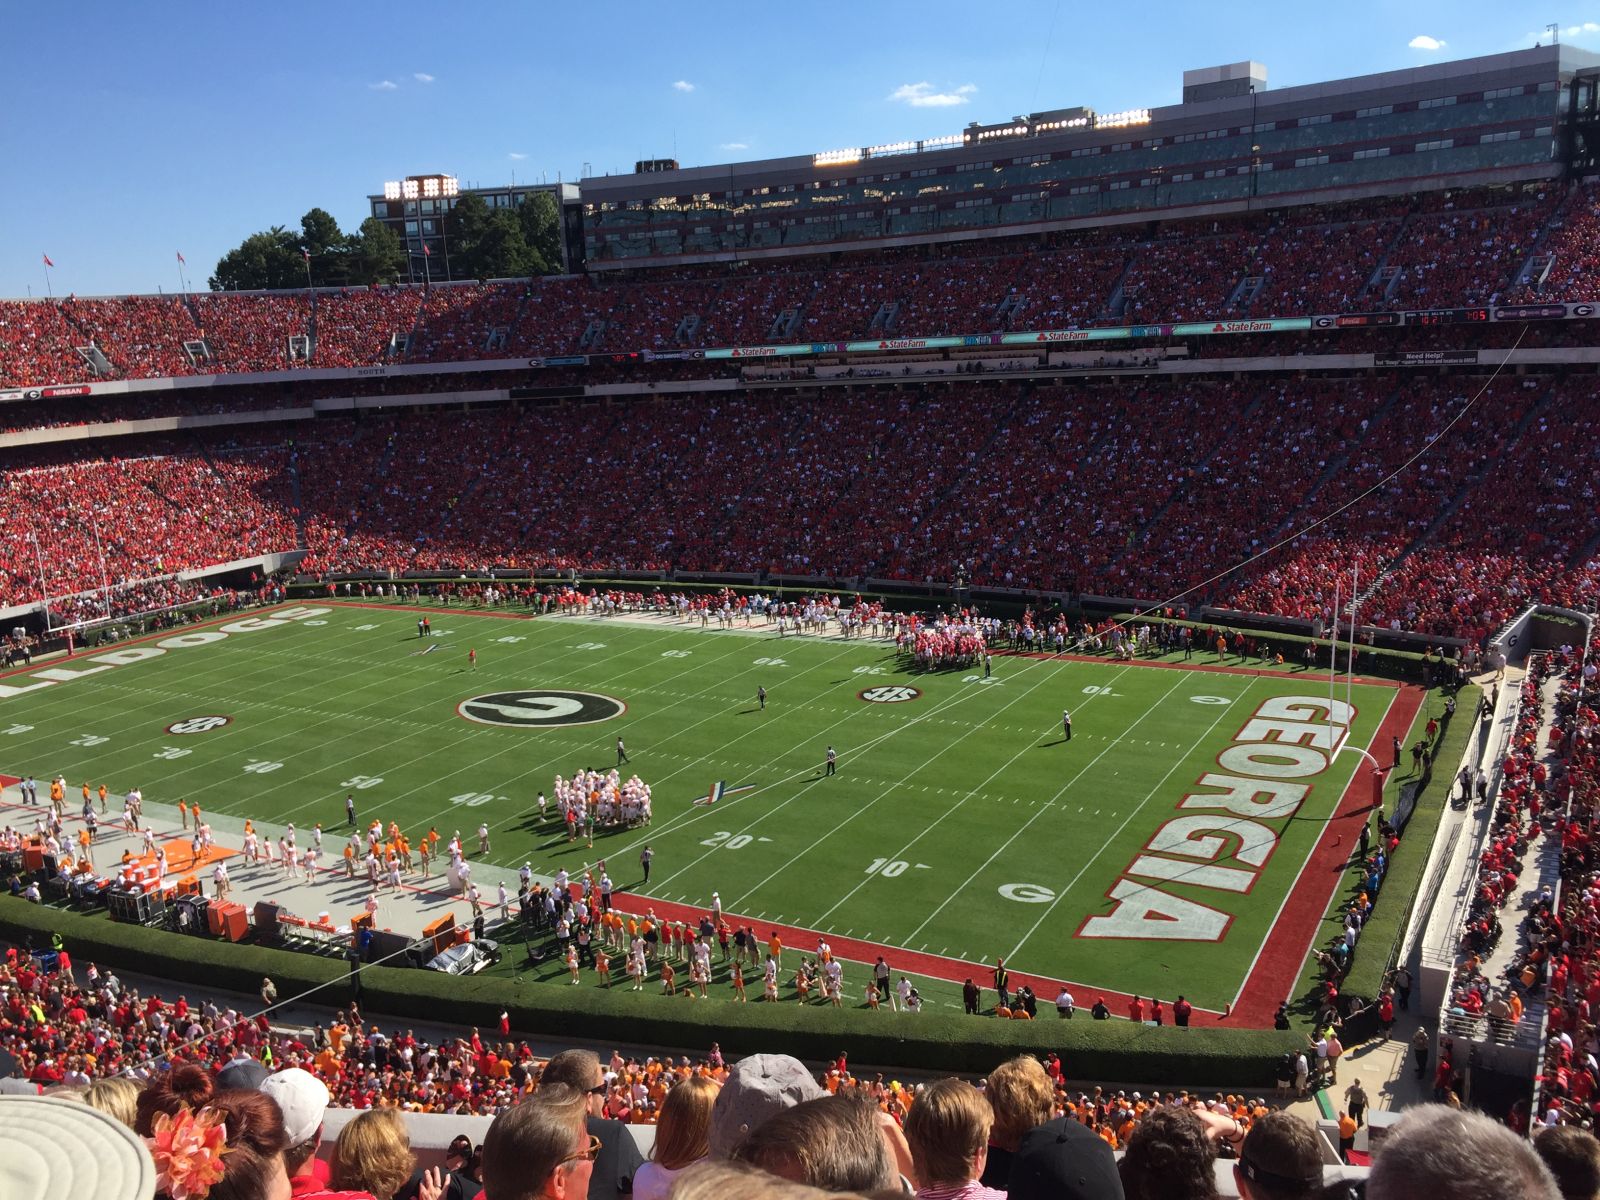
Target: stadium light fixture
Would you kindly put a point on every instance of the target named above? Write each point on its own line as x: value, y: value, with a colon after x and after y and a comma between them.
x: 451, y: 187
x: 834, y: 158
x: 1116, y: 120
x: 391, y: 190
x: 409, y: 189
x: 430, y: 187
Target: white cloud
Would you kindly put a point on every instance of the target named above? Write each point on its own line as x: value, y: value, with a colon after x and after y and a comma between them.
x: 922, y: 95
x: 735, y: 146
x: 683, y: 85
x: 1572, y: 31
x: 515, y: 156
x: 422, y: 77
x: 384, y: 85
x: 1423, y: 42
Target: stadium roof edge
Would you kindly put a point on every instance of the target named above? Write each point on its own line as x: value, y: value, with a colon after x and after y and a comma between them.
x: 1561, y: 59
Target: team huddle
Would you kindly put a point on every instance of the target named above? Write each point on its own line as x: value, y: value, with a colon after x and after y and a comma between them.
x: 593, y: 799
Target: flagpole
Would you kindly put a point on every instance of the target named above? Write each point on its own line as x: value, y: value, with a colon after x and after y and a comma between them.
x: 105, y: 581
x: 44, y: 591
x: 48, y: 290
x: 183, y: 284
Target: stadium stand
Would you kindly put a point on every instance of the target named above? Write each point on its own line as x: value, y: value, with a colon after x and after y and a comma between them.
x: 1161, y: 482
x: 68, y: 1026
x: 1437, y: 250
x: 150, y: 517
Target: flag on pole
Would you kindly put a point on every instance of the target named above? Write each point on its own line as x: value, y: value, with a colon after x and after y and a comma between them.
x: 426, y: 253
x: 181, y: 258
x: 307, y: 253
x: 47, y: 261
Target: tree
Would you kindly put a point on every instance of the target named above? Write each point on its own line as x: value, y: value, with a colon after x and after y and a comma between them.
x: 503, y: 252
x: 271, y: 259
x: 319, y: 232
x: 377, y: 255
x: 541, y: 228
x: 465, y: 227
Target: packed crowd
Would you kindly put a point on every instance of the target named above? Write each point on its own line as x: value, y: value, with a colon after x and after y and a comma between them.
x: 1464, y: 248
x: 1563, y: 932
x: 1515, y: 825
x: 1164, y: 488
x: 98, y: 525
x: 229, y: 1106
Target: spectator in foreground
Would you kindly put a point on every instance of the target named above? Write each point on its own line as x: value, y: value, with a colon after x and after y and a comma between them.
x: 302, y: 1098
x: 116, y: 1095
x: 252, y: 1166
x: 1022, y: 1097
x: 373, y: 1157
x: 948, y: 1129
x: 1573, y: 1156
x: 1449, y: 1154
x: 541, y: 1148
x: 1063, y: 1159
x: 463, y: 1169
x: 1279, y: 1160
x: 681, y: 1137
x: 832, y: 1143
x: 758, y: 1086
x: 717, y: 1180
x: 1169, y: 1157
x: 619, y: 1156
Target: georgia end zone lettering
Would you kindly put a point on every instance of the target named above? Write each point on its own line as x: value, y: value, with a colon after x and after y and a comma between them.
x: 93, y: 664
x: 1234, y: 815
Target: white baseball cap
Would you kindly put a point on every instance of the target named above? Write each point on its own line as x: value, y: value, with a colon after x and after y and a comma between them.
x: 303, y: 1098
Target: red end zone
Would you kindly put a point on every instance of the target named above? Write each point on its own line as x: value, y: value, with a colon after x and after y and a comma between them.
x: 1277, y: 967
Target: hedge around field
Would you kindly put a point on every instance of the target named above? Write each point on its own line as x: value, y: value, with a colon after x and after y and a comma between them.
x: 1114, y: 1051
x: 1388, y: 922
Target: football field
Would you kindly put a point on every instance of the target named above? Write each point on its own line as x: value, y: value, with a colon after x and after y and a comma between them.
x: 1156, y: 851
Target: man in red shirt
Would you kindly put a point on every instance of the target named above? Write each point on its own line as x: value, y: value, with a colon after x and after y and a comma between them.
x: 303, y: 1100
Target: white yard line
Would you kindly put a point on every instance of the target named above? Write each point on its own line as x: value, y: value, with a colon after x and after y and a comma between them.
x: 893, y: 787
x: 510, y: 746
x: 1095, y: 857
x: 948, y: 702
x: 257, y: 747
x: 1021, y: 829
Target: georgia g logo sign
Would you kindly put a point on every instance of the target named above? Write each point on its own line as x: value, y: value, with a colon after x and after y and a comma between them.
x: 540, y: 708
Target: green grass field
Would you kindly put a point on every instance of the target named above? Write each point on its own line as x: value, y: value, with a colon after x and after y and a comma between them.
x: 960, y: 824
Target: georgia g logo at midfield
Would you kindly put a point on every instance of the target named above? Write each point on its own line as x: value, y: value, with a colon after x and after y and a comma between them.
x: 540, y: 708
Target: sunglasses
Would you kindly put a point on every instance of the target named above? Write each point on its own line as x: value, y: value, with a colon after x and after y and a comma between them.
x: 588, y: 1154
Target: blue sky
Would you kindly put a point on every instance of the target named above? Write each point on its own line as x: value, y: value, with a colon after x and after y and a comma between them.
x: 138, y: 130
